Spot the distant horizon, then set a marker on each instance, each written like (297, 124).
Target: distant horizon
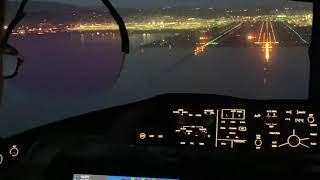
(239, 4)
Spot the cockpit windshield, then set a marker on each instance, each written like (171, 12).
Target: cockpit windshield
(74, 64)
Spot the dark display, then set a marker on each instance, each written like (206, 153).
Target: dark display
(100, 177)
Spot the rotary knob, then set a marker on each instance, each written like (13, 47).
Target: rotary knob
(1, 158)
(294, 141)
(14, 151)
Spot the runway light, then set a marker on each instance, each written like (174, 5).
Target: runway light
(251, 37)
(267, 52)
(204, 37)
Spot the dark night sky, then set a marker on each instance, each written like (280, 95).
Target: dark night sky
(191, 3)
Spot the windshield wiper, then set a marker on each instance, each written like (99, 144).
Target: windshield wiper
(11, 50)
(16, 20)
(122, 27)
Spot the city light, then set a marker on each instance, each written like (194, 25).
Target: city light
(161, 23)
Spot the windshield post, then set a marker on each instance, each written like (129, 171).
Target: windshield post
(315, 54)
(2, 11)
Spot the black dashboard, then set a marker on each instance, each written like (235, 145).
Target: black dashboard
(180, 136)
(236, 127)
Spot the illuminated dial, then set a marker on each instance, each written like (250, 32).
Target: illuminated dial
(14, 151)
(294, 141)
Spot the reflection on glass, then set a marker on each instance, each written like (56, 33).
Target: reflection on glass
(73, 54)
(9, 65)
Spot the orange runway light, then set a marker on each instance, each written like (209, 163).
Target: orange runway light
(252, 37)
(204, 37)
(267, 52)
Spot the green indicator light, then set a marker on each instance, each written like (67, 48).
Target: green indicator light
(214, 43)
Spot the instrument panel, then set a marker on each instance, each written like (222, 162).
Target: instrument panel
(238, 129)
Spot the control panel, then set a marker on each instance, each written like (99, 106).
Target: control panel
(213, 128)
(241, 129)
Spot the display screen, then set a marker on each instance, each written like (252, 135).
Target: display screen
(103, 177)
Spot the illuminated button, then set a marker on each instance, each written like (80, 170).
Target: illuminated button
(239, 141)
(160, 136)
(1, 158)
(299, 120)
(242, 128)
(272, 112)
(257, 115)
(14, 151)
(151, 136)
(142, 135)
(289, 112)
(301, 112)
(313, 134)
(227, 114)
(258, 142)
(310, 119)
(239, 114)
(274, 133)
(209, 111)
